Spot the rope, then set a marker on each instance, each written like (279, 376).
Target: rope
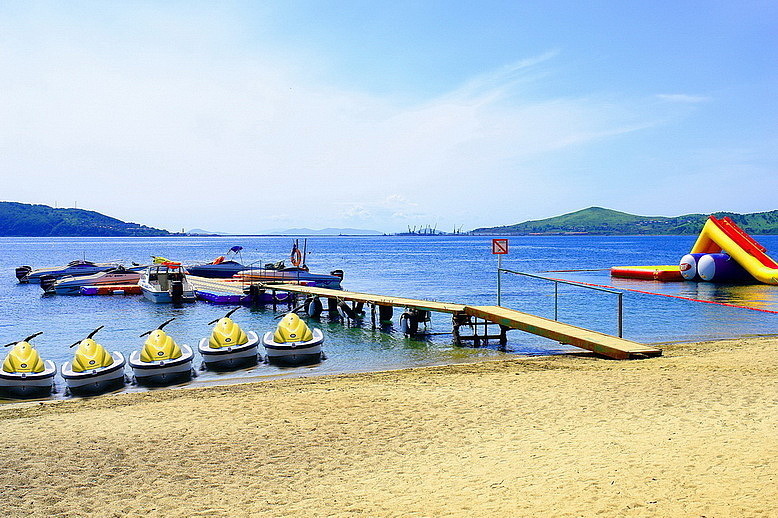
(679, 297)
(581, 270)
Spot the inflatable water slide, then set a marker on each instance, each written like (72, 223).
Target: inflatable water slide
(723, 252)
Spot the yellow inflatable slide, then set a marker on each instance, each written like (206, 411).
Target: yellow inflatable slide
(723, 235)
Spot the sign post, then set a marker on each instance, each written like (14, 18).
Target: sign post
(499, 248)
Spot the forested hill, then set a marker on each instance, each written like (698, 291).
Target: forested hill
(23, 219)
(596, 220)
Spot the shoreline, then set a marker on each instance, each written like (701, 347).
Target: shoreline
(689, 433)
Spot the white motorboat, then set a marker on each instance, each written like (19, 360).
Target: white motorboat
(166, 282)
(70, 285)
(24, 374)
(161, 361)
(93, 369)
(293, 342)
(229, 347)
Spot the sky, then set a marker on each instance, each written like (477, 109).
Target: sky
(246, 117)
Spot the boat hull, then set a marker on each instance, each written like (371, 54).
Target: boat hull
(78, 270)
(223, 270)
(229, 358)
(162, 297)
(28, 385)
(95, 381)
(162, 372)
(293, 353)
(72, 285)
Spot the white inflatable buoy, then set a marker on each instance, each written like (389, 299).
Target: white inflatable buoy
(688, 266)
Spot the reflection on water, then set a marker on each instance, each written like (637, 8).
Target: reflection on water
(453, 269)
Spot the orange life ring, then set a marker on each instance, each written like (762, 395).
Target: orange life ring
(297, 257)
(218, 260)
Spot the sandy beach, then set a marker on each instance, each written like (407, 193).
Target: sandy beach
(693, 433)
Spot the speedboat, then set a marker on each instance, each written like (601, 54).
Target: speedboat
(293, 342)
(24, 373)
(166, 282)
(279, 273)
(228, 347)
(26, 274)
(93, 369)
(161, 361)
(220, 268)
(70, 285)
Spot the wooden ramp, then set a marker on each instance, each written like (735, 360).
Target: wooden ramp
(600, 343)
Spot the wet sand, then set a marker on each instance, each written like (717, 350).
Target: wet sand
(693, 433)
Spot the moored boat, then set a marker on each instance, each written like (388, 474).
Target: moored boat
(166, 282)
(161, 361)
(93, 370)
(24, 374)
(293, 342)
(220, 268)
(70, 285)
(27, 274)
(229, 347)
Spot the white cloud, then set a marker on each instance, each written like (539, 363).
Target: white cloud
(181, 124)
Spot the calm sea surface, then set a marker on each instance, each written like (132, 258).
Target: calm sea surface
(451, 269)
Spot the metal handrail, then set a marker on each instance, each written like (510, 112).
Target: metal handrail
(557, 282)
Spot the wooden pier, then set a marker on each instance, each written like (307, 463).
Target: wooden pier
(462, 316)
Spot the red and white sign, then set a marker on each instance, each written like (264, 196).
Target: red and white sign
(499, 246)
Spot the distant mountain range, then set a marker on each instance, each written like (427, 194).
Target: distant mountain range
(326, 232)
(600, 221)
(24, 219)
(297, 232)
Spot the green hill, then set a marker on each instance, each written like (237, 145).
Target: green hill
(599, 221)
(23, 219)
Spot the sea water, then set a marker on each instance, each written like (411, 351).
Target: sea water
(459, 269)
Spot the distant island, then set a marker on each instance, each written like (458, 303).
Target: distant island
(27, 220)
(600, 221)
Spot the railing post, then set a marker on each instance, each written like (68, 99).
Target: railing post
(556, 300)
(499, 276)
(621, 315)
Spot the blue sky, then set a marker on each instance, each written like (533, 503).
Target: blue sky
(250, 116)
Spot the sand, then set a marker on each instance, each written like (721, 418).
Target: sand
(693, 433)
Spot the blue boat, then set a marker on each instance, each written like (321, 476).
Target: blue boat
(219, 268)
(216, 270)
(26, 274)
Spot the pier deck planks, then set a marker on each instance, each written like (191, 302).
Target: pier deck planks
(216, 285)
(381, 300)
(600, 343)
